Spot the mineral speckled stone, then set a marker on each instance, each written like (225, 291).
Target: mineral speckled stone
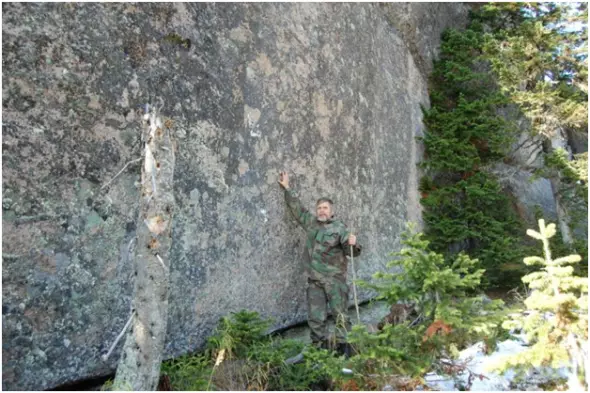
(329, 92)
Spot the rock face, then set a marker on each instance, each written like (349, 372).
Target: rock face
(329, 92)
(420, 26)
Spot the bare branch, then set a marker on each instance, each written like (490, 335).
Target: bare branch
(121, 171)
(161, 262)
(106, 356)
(415, 321)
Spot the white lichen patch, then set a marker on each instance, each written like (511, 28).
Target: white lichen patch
(251, 116)
(241, 33)
(220, 241)
(134, 86)
(243, 167)
(225, 151)
(261, 148)
(264, 64)
(203, 240)
(319, 105)
(124, 100)
(205, 131)
(295, 140)
(211, 165)
(94, 102)
(271, 176)
(323, 125)
(302, 69)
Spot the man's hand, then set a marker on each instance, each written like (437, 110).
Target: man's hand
(352, 240)
(284, 180)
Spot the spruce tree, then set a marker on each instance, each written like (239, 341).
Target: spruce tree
(526, 56)
(540, 58)
(464, 206)
(449, 314)
(556, 319)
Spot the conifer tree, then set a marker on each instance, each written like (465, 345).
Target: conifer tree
(533, 55)
(448, 313)
(539, 55)
(464, 207)
(556, 319)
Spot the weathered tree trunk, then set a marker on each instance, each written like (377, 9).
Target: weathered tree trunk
(563, 218)
(139, 366)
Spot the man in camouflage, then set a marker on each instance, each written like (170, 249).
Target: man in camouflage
(328, 242)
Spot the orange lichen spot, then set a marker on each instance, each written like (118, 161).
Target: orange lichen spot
(153, 244)
(436, 327)
(156, 225)
(349, 386)
(159, 132)
(168, 123)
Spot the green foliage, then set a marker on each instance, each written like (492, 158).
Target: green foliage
(521, 55)
(107, 386)
(189, 372)
(251, 360)
(540, 62)
(579, 246)
(393, 350)
(556, 323)
(236, 333)
(573, 190)
(540, 59)
(464, 206)
(319, 365)
(475, 214)
(443, 297)
(110, 385)
(574, 174)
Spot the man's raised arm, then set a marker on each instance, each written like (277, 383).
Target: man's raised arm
(303, 216)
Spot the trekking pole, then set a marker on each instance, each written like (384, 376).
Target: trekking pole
(356, 302)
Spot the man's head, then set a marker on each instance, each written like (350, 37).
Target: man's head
(323, 209)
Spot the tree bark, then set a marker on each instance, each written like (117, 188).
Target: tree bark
(563, 218)
(139, 366)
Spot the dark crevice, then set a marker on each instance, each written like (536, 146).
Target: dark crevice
(89, 384)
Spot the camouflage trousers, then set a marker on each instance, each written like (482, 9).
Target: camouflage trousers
(320, 293)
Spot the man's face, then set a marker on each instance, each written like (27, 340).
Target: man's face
(324, 211)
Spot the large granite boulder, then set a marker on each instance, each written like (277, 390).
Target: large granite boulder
(328, 92)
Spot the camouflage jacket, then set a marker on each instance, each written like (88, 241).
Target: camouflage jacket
(327, 242)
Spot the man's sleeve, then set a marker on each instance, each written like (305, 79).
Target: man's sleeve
(301, 214)
(346, 247)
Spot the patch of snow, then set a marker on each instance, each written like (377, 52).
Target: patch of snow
(478, 362)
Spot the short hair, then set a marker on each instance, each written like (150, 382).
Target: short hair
(324, 199)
